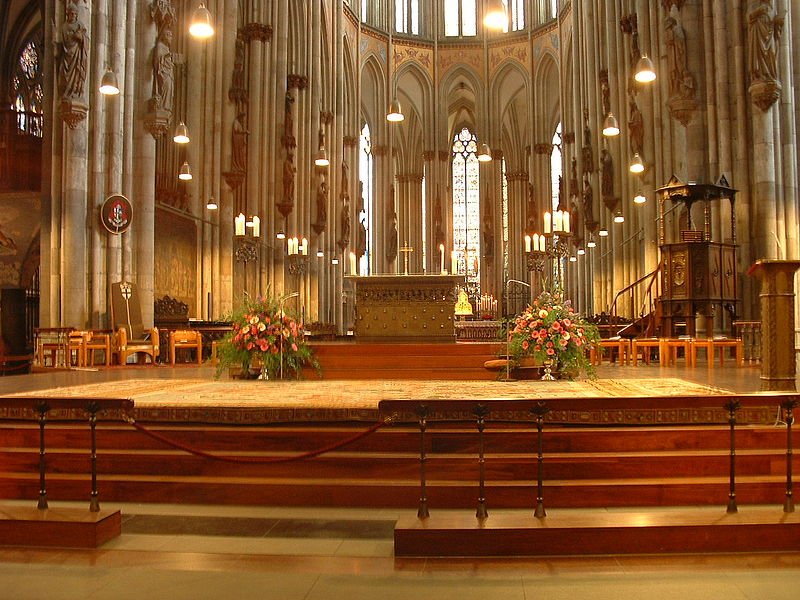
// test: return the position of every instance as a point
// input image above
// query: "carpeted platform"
(253, 402)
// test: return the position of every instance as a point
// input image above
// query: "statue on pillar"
(163, 71)
(344, 237)
(239, 135)
(586, 151)
(587, 198)
(361, 235)
(72, 52)
(391, 234)
(763, 36)
(322, 206)
(635, 126)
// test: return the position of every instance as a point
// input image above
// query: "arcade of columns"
(277, 78)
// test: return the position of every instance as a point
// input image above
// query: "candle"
(557, 222)
(441, 255)
(542, 241)
(304, 247)
(353, 263)
(528, 242)
(256, 226)
(566, 222)
(548, 223)
(239, 223)
(536, 242)
(453, 262)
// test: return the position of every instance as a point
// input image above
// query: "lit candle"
(566, 222)
(557, 224)
(542, 241)
(441, 255)
(353, 263)
(548, 223)
(536, 242)
(528, 243)
(453, 262)
(304, 247)
(239, 223)
(256, 226)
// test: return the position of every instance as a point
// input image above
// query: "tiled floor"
(220, 552)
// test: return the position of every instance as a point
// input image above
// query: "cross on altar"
(406, 250)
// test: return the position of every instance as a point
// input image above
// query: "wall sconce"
(645, 72)
(610, 126)
(108, 83)
(201, 27)
(181, 134)
(484, 153)
(185, 174)
(636, 166)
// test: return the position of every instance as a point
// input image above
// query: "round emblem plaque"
(116, 214)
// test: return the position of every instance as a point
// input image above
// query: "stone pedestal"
(777, 323)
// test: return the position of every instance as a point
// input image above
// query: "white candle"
(557, 223)
(542, 241)
(239, 223)
(353, 263)
(548, 223)
(304, 247)
(441, 254)
(256, 226)
(528, 243)
(453, 262)
(566, 222)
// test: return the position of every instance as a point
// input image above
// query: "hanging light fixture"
(619, 217)
(610, 126)
(321, 158)
(484, 153)
(108, 83)
(581, 251)
(636, 166)
(185, 173)
(603, 232)
(201, 26)
(320, 253)
(181, 134)
(334, 261)
(573, 258)
(281, 235)
(591, 243)
(495, 17)
(639, 198)
(645, 71)
(395, 113)
(212, 204)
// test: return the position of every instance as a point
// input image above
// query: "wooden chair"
(131, 336)
(97, 340)
(621, 345)
(669, 350)
(645, 345)
(711, 345)
(190, 340)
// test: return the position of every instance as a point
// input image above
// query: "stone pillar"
(777, 323)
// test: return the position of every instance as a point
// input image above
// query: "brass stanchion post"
(732, 406)
(540, 410)
(422, 415)
(480, 412)
(788, 405)
(42, 408)
(94, 502)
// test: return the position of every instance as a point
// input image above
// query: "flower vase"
(548, 367)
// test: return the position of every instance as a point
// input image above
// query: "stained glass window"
(460, 18)
(466, 207)
(365, 175)
(27, 90)
(406, 16)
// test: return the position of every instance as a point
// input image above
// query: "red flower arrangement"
(550, 329)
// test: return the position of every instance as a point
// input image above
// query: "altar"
(405, 308)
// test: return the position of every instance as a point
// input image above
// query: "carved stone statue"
(288, 178)
(573, 178)
(344, 237)
(607, 177)
(72, 49)
(361, 235)
(530, 211)
(238, 89)
(239, 144)
(288, 123)
(163, 71)
(391, 233)
(587, 199)
(635, 126)
(488, 236)
(763, 36)
(586, 151)
(322, 202)
(676, 55)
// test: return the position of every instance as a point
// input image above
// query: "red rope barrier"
(255, 459)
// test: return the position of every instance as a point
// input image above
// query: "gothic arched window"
(406, 16)
(365, 203)
(26, 86)
(515, 9)
(556, 170)
(466, 205)
(460, 18)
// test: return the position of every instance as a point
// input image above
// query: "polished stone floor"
(196, 552)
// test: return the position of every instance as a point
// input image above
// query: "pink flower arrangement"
(550, 329)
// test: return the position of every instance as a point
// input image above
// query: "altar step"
(420, 361)
(584, 467)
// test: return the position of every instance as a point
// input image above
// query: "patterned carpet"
(252, 402)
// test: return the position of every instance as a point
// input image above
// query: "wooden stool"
(669, 350)
(192, 340)
(622, 346)
(711, 344)
(646, 345)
